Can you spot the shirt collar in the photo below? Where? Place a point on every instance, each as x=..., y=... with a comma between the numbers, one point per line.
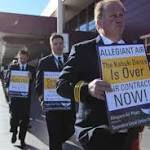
x=56, y=56
x=22, y=65
x=108, y=41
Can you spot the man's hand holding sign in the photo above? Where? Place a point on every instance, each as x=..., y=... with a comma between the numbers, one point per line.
x=98, y=87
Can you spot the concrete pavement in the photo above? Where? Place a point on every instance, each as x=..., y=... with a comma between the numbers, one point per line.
x=145, y=139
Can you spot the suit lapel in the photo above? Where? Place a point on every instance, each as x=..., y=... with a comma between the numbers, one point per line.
x=65, y=58
x=53, y=63
x=98, y=42
x=27, y=67
x=18, y=67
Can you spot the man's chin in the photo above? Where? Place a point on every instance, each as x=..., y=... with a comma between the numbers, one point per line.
x=118, y=31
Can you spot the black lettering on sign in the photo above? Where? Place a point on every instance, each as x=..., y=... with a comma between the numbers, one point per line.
x=129, y=98
x=131, y=73
x=114, y=75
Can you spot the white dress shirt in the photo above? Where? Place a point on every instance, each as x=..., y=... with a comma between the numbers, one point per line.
x=23, y=66
x=56, y=59
x=108, y=41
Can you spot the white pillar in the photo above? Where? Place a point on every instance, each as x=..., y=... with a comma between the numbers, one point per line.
x=3, y=50
x=60, y=17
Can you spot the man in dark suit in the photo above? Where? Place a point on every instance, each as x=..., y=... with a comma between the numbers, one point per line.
x=60, y=123
x=20, y=105
x=81, y=80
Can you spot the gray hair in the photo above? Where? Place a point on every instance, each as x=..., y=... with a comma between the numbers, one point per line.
x=99, y=8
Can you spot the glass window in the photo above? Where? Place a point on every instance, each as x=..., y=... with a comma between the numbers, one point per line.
x=91, y=12
x=83, y=17
x=84, y=21
x=83, y=27
x=92, y=26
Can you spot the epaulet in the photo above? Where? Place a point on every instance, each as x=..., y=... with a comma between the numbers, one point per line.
x=45, y=57
x=13, y=65
x=85, y=42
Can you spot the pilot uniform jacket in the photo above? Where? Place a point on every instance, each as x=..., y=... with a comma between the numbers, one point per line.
x=84, y=65
x=60, y=123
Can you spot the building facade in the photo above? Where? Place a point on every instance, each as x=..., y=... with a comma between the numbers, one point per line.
x=79, y=16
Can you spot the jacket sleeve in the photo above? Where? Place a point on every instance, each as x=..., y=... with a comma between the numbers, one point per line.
x=7, y=77
x=33, y=74
x=39, y=79
x=70, y=76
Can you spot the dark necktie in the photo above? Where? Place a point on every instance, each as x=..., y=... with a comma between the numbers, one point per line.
x=23, y=68
x=60, y=64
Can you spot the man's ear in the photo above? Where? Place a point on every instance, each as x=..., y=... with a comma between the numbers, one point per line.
x=99, y=23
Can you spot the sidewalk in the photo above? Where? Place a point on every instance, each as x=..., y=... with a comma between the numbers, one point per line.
x=145, y=139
